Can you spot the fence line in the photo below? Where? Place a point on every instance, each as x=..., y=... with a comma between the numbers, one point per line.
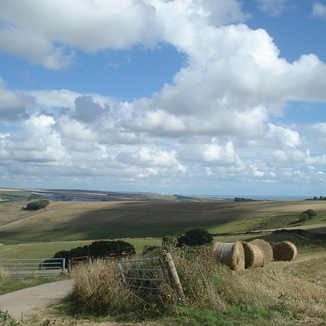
x=23, y=268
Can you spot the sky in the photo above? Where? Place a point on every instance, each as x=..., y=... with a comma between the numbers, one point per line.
x=205, y=97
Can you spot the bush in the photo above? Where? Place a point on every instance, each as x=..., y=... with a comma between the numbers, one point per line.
x=311, y=213
x=169, y=241
x=35, y=205
x=195, y=237
x=307, y=215
x=303, y=217
x=99, y=249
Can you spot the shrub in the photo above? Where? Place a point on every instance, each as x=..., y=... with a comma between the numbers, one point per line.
x=169, y=241
x=147, y=250
x=307, y=215
x=303, y=217
x=195, y=237
x=311, y=213
x=98, y=249
x=35, y=205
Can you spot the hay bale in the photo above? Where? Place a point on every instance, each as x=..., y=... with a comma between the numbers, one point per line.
x=254, y=257
x=285, y=251
x=266, y=248
x=230, y=254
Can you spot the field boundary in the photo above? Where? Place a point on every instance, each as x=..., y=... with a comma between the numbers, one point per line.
x=41, y=267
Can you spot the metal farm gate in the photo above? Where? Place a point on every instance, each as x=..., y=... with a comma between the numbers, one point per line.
x=42, y=267
x=144, y=276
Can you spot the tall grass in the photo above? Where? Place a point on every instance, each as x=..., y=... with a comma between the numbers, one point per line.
x=99, y=290
x=262, y=296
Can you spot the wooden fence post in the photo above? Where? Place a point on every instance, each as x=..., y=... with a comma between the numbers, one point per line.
x=69, y=265
x=173, y=274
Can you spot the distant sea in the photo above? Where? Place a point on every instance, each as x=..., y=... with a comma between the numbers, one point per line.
x=259, y=197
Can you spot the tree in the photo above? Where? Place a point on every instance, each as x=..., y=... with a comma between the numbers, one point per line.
x=35, y=205
x=99, y=249
x=311, y=213
x=195, y=237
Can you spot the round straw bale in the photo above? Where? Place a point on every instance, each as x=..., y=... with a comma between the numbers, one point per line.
x=230, y=254
x=266, y=248
x=286, y=251
x=254, y=257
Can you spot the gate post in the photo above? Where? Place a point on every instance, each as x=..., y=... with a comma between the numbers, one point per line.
x=172, y=271
x=63, y=265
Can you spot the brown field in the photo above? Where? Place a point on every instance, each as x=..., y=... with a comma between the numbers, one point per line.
x=142, y=215
x=243, y=216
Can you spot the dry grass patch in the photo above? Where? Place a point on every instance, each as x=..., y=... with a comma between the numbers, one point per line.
x=282, y=288
x=282, y=293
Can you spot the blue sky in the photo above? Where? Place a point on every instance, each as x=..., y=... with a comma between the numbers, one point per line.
x=204, y=97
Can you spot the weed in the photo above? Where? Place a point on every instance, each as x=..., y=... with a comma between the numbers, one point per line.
x=7, y=320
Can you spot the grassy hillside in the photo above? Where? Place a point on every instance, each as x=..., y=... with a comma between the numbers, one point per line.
x=13, y=195
x=62, y=221
x=281, y=293
x=33, y=250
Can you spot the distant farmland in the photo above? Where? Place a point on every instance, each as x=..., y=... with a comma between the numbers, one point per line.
x=68, y=220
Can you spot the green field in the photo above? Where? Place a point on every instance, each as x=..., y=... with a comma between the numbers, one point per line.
x=48, y=249
x=281, y=293
x=66, y=224
x=70, y=221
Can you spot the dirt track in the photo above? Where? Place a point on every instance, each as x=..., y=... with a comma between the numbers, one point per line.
x=22, y=302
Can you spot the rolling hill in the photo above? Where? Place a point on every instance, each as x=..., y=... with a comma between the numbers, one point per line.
x=134, y=218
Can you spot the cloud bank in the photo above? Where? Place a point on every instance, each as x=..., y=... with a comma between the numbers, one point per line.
x=219, y=122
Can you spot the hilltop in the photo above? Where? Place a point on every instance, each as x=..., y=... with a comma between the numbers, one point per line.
x=96, y=196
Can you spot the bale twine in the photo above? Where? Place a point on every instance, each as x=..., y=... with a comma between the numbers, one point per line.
x=266, y=248
x=286, y=251
x=230, y=254
x=254, y=257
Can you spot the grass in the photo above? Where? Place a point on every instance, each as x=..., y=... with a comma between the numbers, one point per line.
x=8, y=285
x=17, y=195
x=282, y=293
x=48, y=249
x=70, y=221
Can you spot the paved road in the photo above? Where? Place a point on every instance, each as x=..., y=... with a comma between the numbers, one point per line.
x=22, y=302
